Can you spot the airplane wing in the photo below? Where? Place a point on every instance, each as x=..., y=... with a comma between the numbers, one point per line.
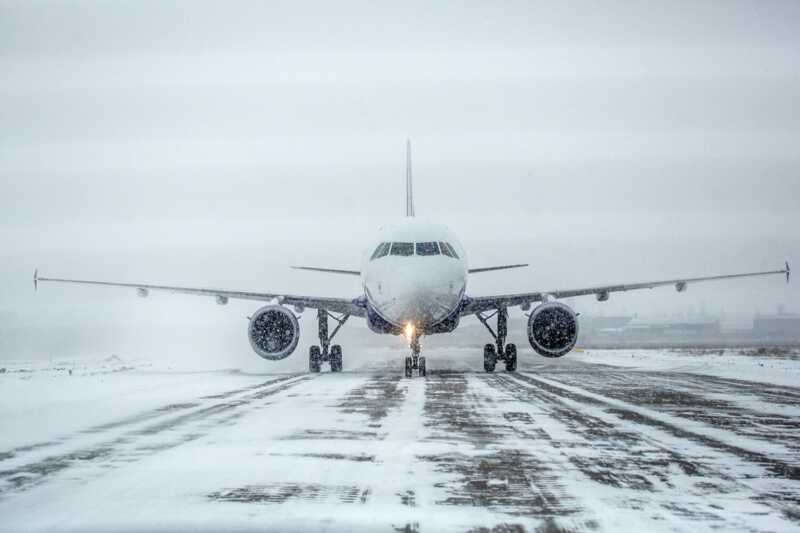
x=338, y=305
x=485, y=303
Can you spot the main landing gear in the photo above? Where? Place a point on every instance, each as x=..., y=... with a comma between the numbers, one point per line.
x=500, y=351
x=326, y=353
x=414, y=361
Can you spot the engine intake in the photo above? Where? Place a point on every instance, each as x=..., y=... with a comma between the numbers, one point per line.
x=553, y=329
x=273, y=332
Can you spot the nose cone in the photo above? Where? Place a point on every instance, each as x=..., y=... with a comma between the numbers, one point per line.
x=421, y=305
x=425, y=298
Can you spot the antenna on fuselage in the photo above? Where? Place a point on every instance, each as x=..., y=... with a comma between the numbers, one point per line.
x=409, y=185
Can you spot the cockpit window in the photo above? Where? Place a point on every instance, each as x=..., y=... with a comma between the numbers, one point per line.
x=402, y=248
x=427, y=248
x=448, y=250
x=381, y=250
x=377, y=251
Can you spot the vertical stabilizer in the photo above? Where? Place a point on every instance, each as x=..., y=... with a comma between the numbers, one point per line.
x=409, y=185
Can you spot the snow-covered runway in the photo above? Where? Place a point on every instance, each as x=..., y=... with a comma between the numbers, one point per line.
x=573, y=446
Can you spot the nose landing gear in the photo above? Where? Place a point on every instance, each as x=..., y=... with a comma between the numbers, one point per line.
x=414, y=361
x=499, y=351
x=326, y=353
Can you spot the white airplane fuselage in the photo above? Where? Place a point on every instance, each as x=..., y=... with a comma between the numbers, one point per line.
x=421, y=278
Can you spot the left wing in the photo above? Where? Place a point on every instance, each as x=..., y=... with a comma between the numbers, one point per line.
x=352, y=307
x=485, y=303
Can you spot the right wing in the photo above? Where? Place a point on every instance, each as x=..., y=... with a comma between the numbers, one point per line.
x=352, y=307
x=486, y=303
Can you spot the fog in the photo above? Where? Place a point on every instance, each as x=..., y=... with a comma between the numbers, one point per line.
x=207, y=144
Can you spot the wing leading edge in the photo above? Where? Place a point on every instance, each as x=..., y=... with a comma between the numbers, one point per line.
x=337, y=305
x=485, y=303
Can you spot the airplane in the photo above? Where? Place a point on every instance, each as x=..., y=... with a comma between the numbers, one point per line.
x=414, y=279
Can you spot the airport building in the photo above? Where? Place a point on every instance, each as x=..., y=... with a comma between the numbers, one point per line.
x=781, y=325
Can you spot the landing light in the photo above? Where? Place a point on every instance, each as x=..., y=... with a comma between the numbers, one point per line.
x=409, y=330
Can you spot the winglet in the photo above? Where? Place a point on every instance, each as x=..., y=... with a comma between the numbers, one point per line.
x=36, y=279
x=788, y=272
x=409, y=187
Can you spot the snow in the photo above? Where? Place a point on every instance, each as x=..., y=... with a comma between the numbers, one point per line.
x=724, y=363
x=595, y=441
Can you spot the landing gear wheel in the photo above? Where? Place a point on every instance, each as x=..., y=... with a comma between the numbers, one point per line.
x=511, y=357
x=314, y=356
x=422, y=370
x=409, y=367
x=489, y=358
x=336, y=358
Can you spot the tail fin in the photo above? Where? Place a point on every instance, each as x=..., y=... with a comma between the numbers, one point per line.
x=409, y=185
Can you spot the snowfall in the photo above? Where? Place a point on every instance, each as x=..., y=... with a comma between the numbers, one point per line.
x=600, y=440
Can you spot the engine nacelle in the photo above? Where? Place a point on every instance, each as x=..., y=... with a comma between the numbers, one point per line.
x=553, y=329
x=273, y=332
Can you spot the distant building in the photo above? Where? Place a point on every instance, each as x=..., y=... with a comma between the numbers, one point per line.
x=603, y=323
x=668, y=328
x=631, y=331
x=780, y=325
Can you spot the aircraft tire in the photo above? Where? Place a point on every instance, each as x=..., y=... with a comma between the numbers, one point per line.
x=489, y=358
x=336, y=358
x=314, y=356
x=511, y=357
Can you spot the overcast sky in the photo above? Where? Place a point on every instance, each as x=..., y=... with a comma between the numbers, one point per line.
x=216, y=143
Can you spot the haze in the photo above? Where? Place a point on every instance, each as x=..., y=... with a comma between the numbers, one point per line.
x=206, y=144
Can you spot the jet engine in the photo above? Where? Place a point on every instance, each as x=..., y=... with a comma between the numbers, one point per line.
x=273, y=332
x=552, y=329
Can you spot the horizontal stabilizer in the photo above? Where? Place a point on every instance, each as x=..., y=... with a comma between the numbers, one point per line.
x=329, y=270
x=501, y=267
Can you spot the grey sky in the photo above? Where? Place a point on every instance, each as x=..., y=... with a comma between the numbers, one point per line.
x=217, y=143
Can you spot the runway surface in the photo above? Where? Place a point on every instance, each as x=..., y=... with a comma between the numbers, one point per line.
x=555, y=447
